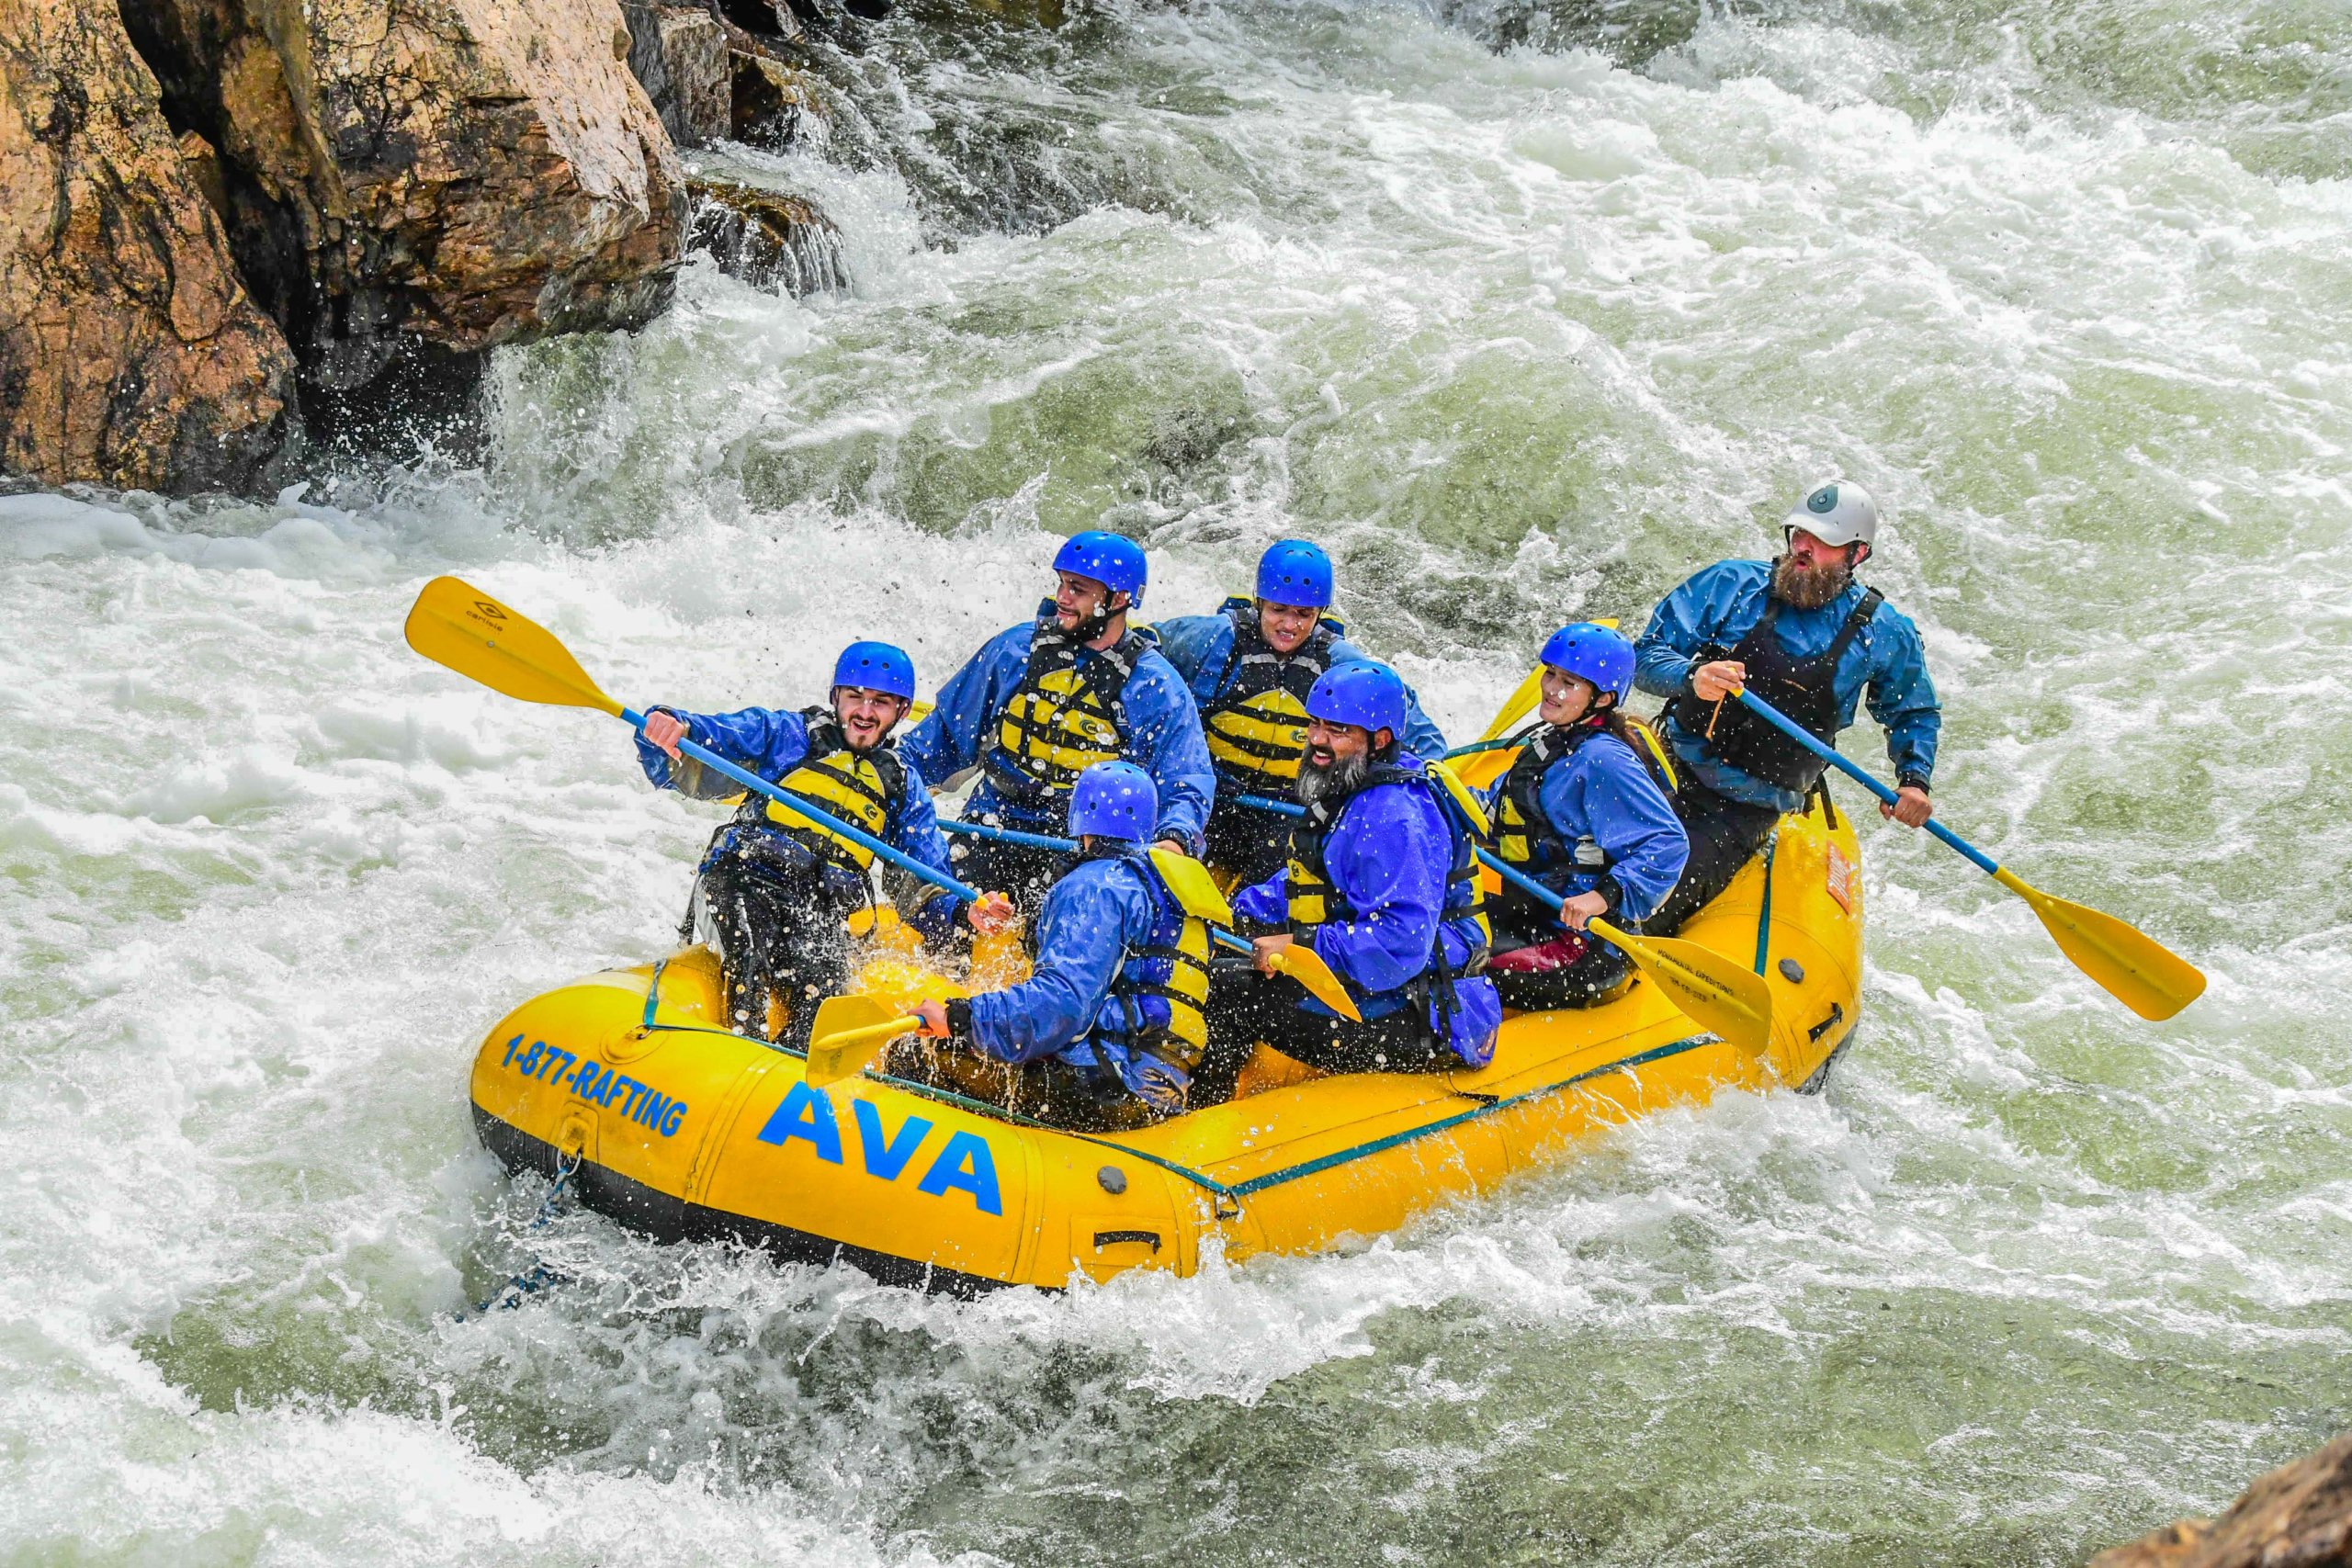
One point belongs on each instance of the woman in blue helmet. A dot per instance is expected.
(1041, 703)
(1250, 666)
(1381, 884)
(1107, 1029)
(775, 889)
(1583, 812)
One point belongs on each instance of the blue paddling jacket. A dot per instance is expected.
(874, 790)
(1396, 889)
(1119, 974)
(1722, 605)
(1579, 810)
(1033, 711)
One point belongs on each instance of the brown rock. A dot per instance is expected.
(679, 53)
(2299, 1516)
(770, 98)
(471, 170)
(131, 354)
(767, 238)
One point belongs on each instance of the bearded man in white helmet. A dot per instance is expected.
(1803, 636)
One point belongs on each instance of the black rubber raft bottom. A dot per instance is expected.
(668, 1219)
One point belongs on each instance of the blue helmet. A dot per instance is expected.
(1593, 653)
(876, 667)
(1297, 573)
(1114, 800)
(1114, 562)
(1370, 697)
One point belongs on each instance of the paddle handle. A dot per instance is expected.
(799, 807)
(1836, 760)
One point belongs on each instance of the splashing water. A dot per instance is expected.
(1527, 310)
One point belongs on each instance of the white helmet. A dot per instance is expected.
(1836, 513)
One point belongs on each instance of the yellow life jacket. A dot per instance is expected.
(1314, 900)
(1065, 716)
(1255, 723)
(863, 789)
(1172, 965)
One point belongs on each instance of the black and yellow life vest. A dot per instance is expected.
(1172, 965)
(1065, 715)
(1316, 900)
(1256, 722)
(863, 789)
(1524, 836)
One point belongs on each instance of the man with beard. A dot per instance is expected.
(1040, 703)
(1250, 666)
(1381, 884)
(1808, 639)
(776, 888)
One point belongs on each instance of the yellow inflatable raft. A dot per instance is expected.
(686, 1131)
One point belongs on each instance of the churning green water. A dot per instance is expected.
(1526, 311)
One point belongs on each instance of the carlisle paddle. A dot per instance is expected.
(1711, 989)
(1303, 964)
(456, 624)
(1720, 996)
(850, 1032)
(2136, 969)
(1518, 705)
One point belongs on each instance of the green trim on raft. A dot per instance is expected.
(1205, 1182)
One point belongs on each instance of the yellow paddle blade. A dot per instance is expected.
(2137, 970)
(456, 623)
(1481, 769)
(1720, 996)
(1518, 705)
(1469, 804)
(850, 1032)
(1305, 965)
(1194, 888)
(923, 705)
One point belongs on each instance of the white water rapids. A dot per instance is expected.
(1524, 335)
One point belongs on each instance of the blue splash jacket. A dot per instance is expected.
(771, 743)
(1165, 742)
(1722, 603)
(1388, 855)
(1602, 791)
(1200, 646)
(1102, 909)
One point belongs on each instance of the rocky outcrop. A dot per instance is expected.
(2299, 1516)
(130, 352)
(766, 238)
(679, 54)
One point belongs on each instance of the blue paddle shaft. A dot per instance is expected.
(1007, 835)
(1830, 754)
(752, 782)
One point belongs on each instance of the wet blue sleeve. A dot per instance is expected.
(1268, 903)
(948, 739)
(1608, 791)
(768, 742)
(1903, 698)
(1169, 743)
(1081, 934)
(1389, 855)
(1192, 644)
(1685, 621)
(1422, 738)
(917, 834)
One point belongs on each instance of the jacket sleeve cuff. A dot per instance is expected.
(960, 1020)
(1610, 890)
(1912, 780)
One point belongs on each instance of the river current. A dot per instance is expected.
(1526, 312)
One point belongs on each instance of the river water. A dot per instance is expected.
(1526, 312)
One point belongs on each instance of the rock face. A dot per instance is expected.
(131, 353)
(679, 52)
(2300, 1515)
